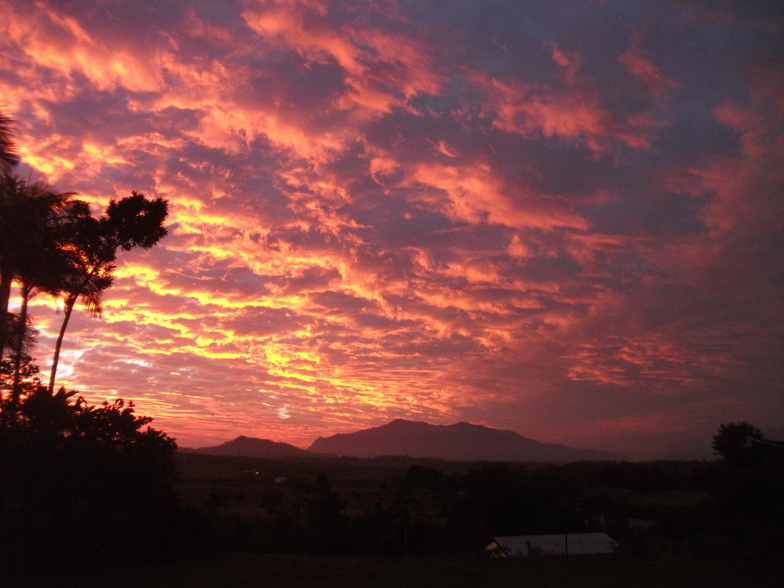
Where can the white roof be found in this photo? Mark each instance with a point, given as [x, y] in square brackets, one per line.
[578, 544]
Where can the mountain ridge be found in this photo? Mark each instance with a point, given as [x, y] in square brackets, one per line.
[458, 442]
[251, 447]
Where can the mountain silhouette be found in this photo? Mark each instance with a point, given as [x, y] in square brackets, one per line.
[252, 447]
[459, 442]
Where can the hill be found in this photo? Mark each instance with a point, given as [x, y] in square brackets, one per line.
[459, 442]
[252, 447]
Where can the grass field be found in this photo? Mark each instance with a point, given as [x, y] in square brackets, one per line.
[271, 571]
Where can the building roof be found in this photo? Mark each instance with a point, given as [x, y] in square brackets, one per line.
[563, 544]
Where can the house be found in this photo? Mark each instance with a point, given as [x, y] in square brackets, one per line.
[564, 544]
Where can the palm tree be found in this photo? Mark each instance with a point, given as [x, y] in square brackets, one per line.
[10, 251]
[9, 155]
[25, 337]
[21, 337]
[132, 222]
[88, 287]
[29, 216]
[45, 268]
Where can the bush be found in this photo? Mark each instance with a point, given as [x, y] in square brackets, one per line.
[83, 484]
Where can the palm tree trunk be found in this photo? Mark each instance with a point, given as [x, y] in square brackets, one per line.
[69, 305]
[19, 343]
[6, 278]
[68, 308]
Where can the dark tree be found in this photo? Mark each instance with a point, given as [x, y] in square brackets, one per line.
[83, 482]
[30, 217]
[748, 488]
[733, 442]
[9, 155]
[77, 482]
[92, 247]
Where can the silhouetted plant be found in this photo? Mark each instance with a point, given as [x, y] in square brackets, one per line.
[50, 242]
[92, 478]
[748, 489]
[9, 153]
[91, 249]
[733, 442]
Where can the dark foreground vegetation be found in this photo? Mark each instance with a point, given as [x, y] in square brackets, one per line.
[83, 485]
[79, 484]
[401, 522]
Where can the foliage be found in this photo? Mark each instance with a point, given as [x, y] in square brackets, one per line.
[748, 488]
[405, 506]
[733, 442]
[9, 154]
[95, 479]
[51, 243]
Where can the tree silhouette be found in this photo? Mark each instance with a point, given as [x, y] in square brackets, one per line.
[134, 221]
[748, 488]
[29, 216]
[9, 250]
[732, 443]
[9, 155]
[93, 477]
[46, 214]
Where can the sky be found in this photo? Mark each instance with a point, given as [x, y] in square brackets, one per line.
[562, 218]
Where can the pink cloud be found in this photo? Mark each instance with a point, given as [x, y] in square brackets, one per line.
[569, 62]
[648, 74]
[574, 115]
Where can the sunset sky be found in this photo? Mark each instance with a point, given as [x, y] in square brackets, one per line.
[563, 218]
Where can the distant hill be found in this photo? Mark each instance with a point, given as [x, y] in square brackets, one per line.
[252, 447]
[459, 442]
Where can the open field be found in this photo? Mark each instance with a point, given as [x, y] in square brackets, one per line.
[284, 571]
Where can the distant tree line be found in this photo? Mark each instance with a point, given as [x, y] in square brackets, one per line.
[78, 483]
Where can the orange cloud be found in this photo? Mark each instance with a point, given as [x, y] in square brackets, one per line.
[64, 45]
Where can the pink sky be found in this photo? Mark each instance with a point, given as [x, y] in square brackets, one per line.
[560, 218]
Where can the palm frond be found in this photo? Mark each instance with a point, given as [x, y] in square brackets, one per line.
[9, 154]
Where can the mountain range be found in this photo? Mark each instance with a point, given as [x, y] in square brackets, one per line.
[252, 447]
[458, 442]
